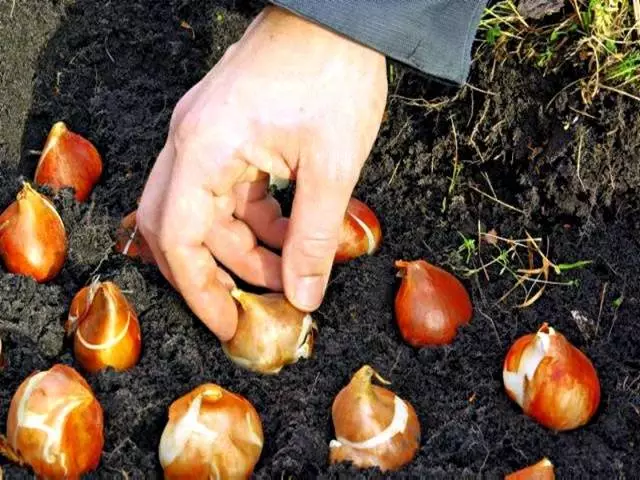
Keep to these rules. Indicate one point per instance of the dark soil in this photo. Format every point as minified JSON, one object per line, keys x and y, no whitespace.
{"x":113,"y":71}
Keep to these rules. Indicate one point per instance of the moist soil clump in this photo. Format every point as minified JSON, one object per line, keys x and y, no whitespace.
{"x":508,"y":154}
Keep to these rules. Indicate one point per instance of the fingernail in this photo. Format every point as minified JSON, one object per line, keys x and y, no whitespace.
{"x":309,"y":292}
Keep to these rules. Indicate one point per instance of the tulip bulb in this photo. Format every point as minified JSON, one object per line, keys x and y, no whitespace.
{"x":33,"y":240}
{"x":211,"y":433}
{"x":374,"y":427}
{"x":430,"y":305}
{"x":271,"y":333}
{"x":105,"y":328}
{"x":130,"y":242}
{"x":55,"y":424}
{"x":543,"y":470}
{"x":69,"y":160}
{"x":551,"y":380}
{"x":360,"y":233}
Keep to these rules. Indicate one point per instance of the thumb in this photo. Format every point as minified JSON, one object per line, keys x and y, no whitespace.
{"x":318,"y":210}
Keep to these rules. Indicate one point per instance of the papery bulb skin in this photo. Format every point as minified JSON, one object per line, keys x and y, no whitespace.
{"x":69,"y":160}
{"x":430,"y":305}
{"x":552,"y":381}
{"x":360,"y":234}
{"x":105,"y":328}
{"x":55,"y":424}
{"x":271,"y":333}
{"x":543,"y":470}
{"x":211,"y":433}
{"x":374,"y":427}
{"x":130,"y":242}
{"x":33,"y":240}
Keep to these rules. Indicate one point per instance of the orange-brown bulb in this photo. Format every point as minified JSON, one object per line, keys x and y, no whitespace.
{"x":105,"y":328}
{"x":374,"y":427}
{"x":33,"y":240}
{"x":211,"y":433}
{"x":543,"y":470}
{"x":360,"y":233}
{"x":55,"y":424}
{"x":69,"y":160}
{"x":430,"y":305}
{"x":271,"y":333}
{"x":130,"y":242}
{"x":551,"y":380}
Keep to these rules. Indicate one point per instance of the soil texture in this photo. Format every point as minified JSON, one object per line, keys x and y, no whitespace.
{"x":510,"y":152}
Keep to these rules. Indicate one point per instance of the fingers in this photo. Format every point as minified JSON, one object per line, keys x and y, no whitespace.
{"x":321,"y":198}
{"x":188,"y":216}
{"x":234,"y":245}
{"x":150,"y":208}
{"x":261,"y":212}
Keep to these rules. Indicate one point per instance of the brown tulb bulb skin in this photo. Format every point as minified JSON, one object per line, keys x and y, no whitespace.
{"x":271,"y":333}
{"x":69,"y":160}
{"x":130,"y":242}
{"x":430,"y":305}
{"x":33,"y":241}
{"x":374,"y":427}
{"x":105,"y":328}
{"x":211,"y":433}
{"x":543,"y":470}
{"x":360,"y":234}
{"x":552,"y":381}
{"x":55,"y":424}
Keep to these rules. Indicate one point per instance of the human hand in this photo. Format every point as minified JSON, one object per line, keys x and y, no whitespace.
{"x":291,"y":99}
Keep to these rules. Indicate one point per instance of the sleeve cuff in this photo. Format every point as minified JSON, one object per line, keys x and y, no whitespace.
{"x":433,"y":36}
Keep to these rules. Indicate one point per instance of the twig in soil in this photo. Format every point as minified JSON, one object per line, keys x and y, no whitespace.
{"x":602,"y":295}
{"x":391,"y":144}
{"x":313,"y":387}
{"x":120,"y":446}
{"x":13,"y":7}
{"x":457,"y":167}
{"x":495,"y":330}
{"x":579,"y":158}
{"x":497,"y":200}
{"x":616,"y":305}
{"x":477,"y":125}
{"x":395,"y":363}
{"x":106,"y":49}
{"x":620,"y":92}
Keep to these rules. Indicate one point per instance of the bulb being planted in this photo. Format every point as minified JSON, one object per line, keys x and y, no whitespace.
{"x":430,"y":305}
{"x":360,"y":234}
{"x":33,"y":240}
{"x":374,"y":427}
{"x":271,"y":333}
{"x":69,"y":160}
{"x":551,"y":380}
{"x":55,"y":424}
{"x":211,"y":433}
{"x":130,"y":242}
{"x":105,"y":328}
{"x":543,"y":470}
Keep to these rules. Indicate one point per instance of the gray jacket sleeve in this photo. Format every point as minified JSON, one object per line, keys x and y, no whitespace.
{"x":433,"y":36}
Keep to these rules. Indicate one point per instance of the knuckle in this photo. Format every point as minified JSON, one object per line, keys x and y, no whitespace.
{"x":318,"y":249}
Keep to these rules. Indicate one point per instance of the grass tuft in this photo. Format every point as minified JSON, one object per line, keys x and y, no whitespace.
{"x":600,"y":36}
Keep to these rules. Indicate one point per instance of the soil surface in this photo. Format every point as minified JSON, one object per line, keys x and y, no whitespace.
{"x":545,"y":165}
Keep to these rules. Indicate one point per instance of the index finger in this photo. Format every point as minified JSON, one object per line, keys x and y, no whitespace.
{"x":188,"y":216}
